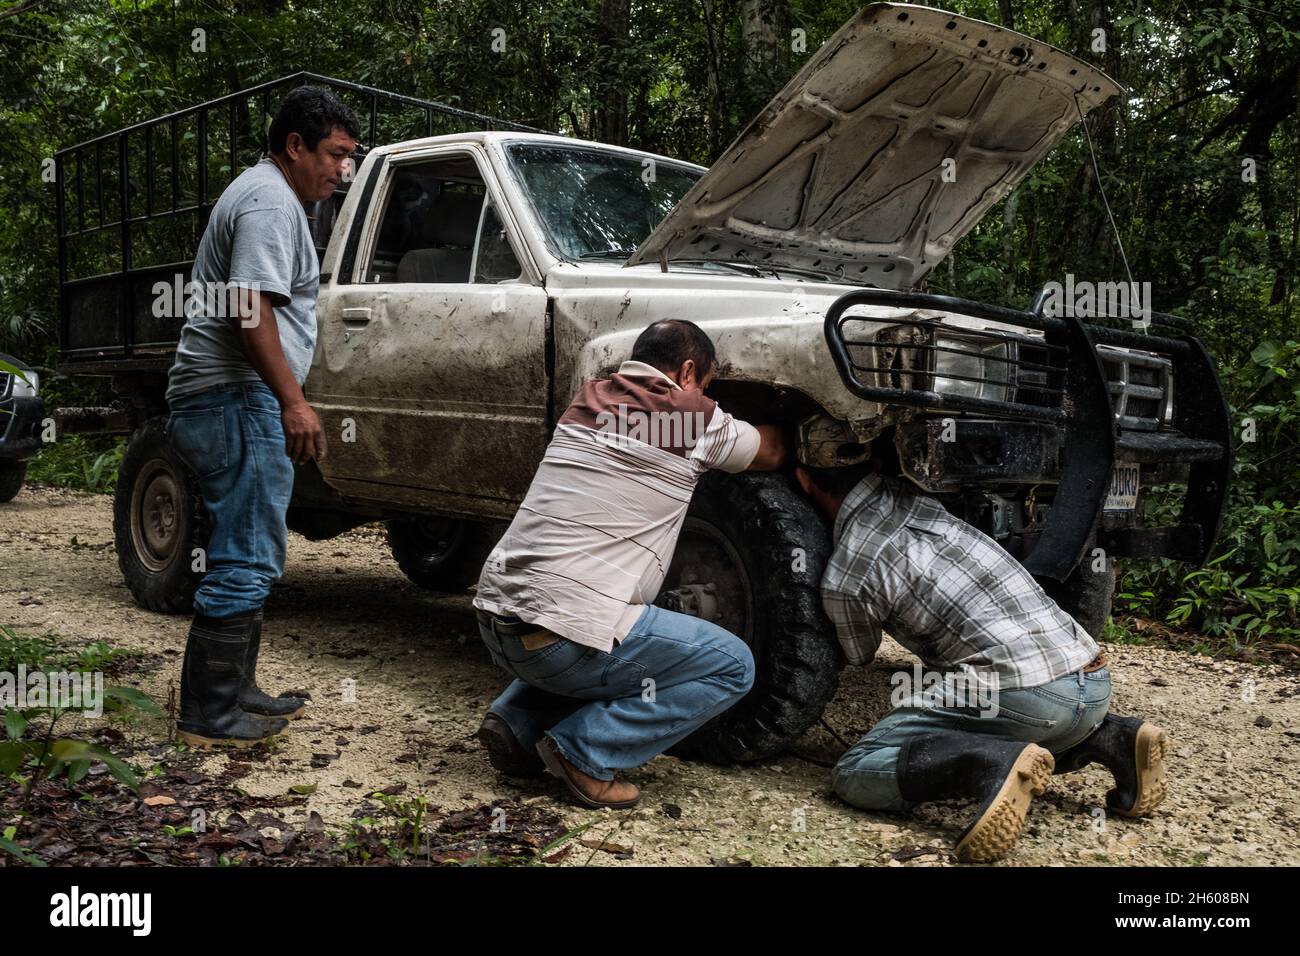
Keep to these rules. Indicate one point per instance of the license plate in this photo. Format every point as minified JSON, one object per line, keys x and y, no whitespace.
{"x":1123,"y":493}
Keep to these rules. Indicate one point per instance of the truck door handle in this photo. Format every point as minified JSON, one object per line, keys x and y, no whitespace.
{"x":357,"y":317}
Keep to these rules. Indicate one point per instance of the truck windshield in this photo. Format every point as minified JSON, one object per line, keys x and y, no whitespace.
{"x":597,"y":204}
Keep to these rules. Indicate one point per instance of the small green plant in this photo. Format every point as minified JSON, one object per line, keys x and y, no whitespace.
{"x":97,"y":656}
{"x":406,"y":816}
{"x":31,"y":652}
{"x":27,"y":754}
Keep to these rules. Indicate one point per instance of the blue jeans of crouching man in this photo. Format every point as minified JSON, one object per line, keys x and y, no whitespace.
{"x":1056,"y":716}
{"x":617,"y":710}
{"x":232,"y":438}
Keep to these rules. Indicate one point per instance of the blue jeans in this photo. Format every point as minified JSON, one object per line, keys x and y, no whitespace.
{"x":612,"y":711}
{"x":1056,"y":716}
{"x":232,"y":439}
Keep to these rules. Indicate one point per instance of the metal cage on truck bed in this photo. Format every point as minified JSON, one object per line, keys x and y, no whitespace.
{"x":156,"y":181}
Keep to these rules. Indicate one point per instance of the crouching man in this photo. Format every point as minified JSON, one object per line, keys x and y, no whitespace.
{"x":604,"y":680}
{"x":972,"y":613}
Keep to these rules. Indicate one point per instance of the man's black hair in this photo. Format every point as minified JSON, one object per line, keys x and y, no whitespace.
{"x":669,"y":342}
{"x":312,"y":112}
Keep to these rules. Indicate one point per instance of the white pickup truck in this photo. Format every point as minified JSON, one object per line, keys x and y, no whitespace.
{"x":471,"y":281}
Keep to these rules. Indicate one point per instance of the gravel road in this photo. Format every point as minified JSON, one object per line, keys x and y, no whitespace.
{"x":343,"y":612}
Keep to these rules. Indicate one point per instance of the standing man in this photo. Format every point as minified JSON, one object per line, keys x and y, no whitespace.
{"x":1019,"y":679}
{"x":605,"y":680}
{"x":239,"y":419}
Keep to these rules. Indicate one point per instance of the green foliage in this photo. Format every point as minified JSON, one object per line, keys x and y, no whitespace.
{"x":89,"y":462}
{"x":1250,"y":590}
{"x":32,"y":652}
{"x":27,"y":749}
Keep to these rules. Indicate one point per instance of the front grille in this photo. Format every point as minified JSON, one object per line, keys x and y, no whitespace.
{"x":1138,"y":383}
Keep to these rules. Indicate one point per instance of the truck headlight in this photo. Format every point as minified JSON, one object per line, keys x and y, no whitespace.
{"x":971,"y":368}
{"x":28,"y":388}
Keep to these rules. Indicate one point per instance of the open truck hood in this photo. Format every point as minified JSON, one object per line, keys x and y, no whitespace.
{"x":844,"y":171}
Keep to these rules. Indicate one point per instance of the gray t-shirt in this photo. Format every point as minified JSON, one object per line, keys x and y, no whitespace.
{"x":258,"y":237}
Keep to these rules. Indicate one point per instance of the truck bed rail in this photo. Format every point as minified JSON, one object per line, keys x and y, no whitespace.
{"x":132,"y":205}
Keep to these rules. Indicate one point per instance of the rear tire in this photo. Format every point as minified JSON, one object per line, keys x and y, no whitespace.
{"x":442,"y":554}
{"x":1086,"y":596}
{"x":763,"y":548}
{"x":158,"y":521}
{"x":12,"y":475}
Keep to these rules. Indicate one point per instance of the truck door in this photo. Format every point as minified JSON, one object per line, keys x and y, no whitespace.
{"x":429,"y":374}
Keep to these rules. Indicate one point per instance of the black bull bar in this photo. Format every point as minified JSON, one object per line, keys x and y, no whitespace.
{"x":1058,"y":380}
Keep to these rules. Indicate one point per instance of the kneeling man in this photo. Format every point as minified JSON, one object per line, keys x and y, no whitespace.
{"x":974,"y":615}
{"x":604,"y":680}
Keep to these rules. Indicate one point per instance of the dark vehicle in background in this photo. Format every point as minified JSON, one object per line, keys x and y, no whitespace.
{"x":21,"y":414}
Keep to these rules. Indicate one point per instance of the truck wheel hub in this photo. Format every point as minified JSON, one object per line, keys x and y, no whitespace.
{"x":154,"y":530}
{"x":708,"y":580}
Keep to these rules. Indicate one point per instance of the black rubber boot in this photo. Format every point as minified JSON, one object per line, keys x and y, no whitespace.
{"x":210,"y":677}
{"x":504,"y":750}
{"x":251,"y":697}
{"x":1133,"y":750}
{"x":1004,"y":775}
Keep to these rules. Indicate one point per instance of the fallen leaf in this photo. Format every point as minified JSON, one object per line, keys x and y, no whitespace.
{"x":607,"y":846}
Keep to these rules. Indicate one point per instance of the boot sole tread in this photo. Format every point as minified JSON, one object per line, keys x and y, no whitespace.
{"x":991,"y":836}
{"x":201,"y":742}
{"x":1149,"y":751}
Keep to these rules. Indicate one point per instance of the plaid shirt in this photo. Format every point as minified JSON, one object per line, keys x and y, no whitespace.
{"x":943,"y":590}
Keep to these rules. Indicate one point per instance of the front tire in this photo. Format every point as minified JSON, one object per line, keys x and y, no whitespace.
{"x":158,"y":521}
{"x":12,"y":475}
{"x":750,"y":558}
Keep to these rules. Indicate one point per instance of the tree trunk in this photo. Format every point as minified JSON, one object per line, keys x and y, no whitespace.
{"x":609,"y":109}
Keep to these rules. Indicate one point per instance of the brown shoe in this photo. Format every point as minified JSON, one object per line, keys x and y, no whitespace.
{"x":615,"y":794}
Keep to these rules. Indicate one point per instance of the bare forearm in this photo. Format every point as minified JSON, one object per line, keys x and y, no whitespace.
{"x":773,"y":449}
{"x":303,"y":436}
{"x":261,"y":342}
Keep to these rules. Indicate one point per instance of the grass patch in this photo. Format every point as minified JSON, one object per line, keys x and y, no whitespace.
{"x":87,"y":462}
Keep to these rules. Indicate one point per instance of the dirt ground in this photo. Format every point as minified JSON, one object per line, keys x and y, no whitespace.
{"x":344,"y":612}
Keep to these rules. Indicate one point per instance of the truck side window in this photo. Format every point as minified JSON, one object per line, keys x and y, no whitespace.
{"x":496,"y":260}
{"x":429,"y":223}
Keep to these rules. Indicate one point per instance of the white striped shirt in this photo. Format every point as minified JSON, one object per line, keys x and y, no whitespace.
{"x":592,"y":540}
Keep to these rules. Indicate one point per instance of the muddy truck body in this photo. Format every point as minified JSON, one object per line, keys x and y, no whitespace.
{"x":471,"y":281}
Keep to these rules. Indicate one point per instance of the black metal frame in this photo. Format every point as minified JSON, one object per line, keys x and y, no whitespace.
{"x":127,"y":278}
{"x":1200,"y":436}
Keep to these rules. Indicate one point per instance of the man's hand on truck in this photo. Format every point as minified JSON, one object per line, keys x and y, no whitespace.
{"x":304,"y":438}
